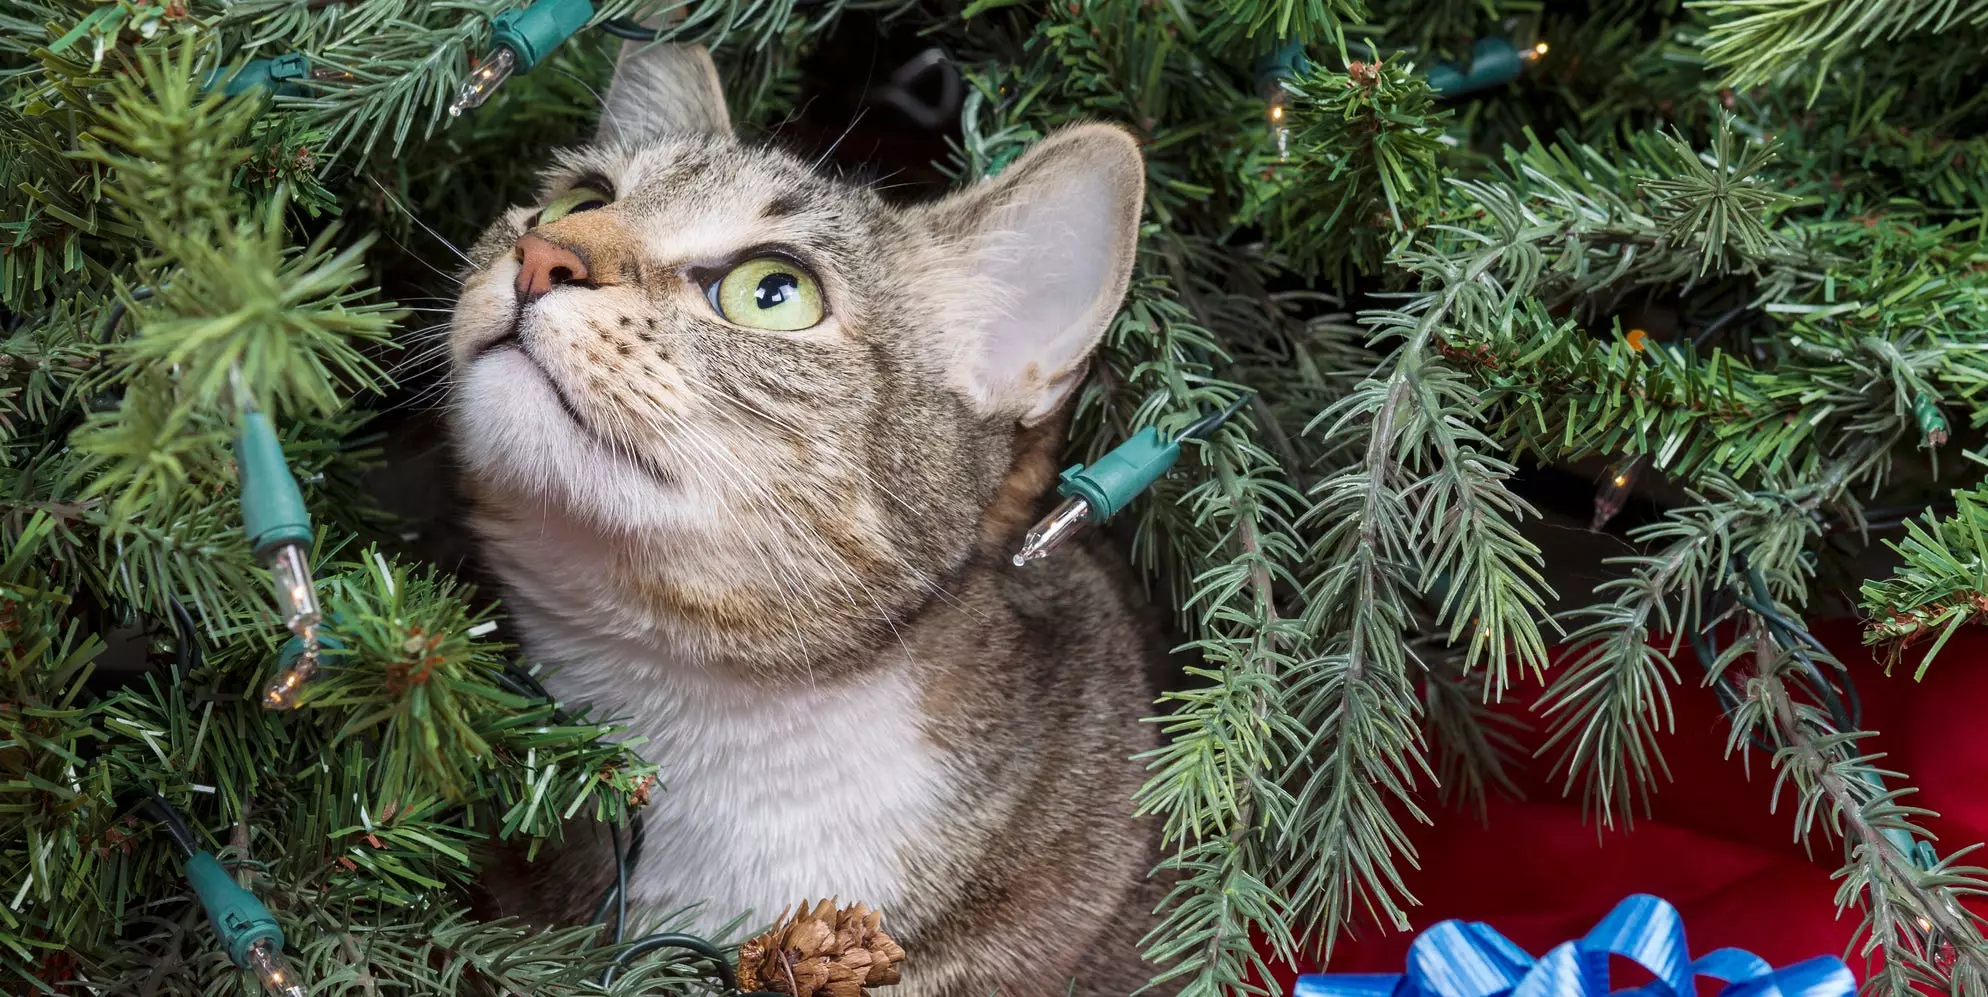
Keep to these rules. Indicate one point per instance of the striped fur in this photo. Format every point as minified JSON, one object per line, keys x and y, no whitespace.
{"x":783,"y":555}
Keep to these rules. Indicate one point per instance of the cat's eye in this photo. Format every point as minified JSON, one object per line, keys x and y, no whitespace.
{"x":572,"y":202}
{"x":770,"y":293}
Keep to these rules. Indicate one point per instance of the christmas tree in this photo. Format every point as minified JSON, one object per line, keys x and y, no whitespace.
{"x":1732,"y":252}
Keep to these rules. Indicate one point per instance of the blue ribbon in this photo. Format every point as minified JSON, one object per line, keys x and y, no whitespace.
{"x":1458,"y":959}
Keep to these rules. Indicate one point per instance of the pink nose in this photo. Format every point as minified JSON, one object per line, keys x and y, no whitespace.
{"x":543,"y":265}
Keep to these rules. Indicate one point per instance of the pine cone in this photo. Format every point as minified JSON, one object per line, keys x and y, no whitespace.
{"x":821,"y":952}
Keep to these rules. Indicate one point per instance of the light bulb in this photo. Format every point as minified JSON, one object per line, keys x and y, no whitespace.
{"x":1615,"y":491}
{"x":1276,"y":98}
{"x":484,"y":79}
{"x":1534,"y":54}
{"x":1060,"y":525}
{"x":278,"y":979}
{"x":282,"y":694}
{"x":297,"y":601}
{"x":296,"y":595}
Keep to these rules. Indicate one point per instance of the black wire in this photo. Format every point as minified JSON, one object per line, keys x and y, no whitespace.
{"x":624,"y":862}
{"x":676,"y":940}
{"x":621,"y":864}
{"x":1798,"y":642}
{"x":524,"y":683}
{"x":623,"y":28}
{"x":1718,"y":323}
{"x":1703,"y":642}
{"x":117,"y":309}
{"x":188,"y":650}
{"x":1201,"y":427}
{"x":634,"y":840}
{"x":1903,"y":512}
{"x":617,"y":894}
{"x":1856,"y":704}
{"x":174,"y":824}
{"x":1895,"y":516}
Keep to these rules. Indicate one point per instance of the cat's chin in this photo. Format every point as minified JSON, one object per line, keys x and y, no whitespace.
{"x":516,"y":431}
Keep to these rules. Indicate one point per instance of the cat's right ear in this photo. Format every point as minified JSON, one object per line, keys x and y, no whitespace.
{"x":1044,"y":254}
{"x":663,"y":90}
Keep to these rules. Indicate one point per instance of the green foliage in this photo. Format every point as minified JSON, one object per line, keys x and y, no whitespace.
{"x":1758,"y":40}
{"x":1421,"y":296}
{"x":159,"y":278}
{"x":1942,"y":584}
{"x":1367,"y":142}
{"x":1914,"y":931}
{"x":1266,"y":24}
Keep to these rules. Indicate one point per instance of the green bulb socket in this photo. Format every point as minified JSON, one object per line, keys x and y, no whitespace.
{"x":1931,"y":422}
{"x":533,"y":32}
{"x":1119,"y":476}
{"x":1492,"y":61}
{"x":273,"y":511}
{"x":292,"y":650}
{"x":1282,"y":63}
{"x":239,"y":918}
{"x":276,"y":76}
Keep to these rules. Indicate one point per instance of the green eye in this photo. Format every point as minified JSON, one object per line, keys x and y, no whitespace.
{"x":768,"y":293}
{"x":575,"y":200}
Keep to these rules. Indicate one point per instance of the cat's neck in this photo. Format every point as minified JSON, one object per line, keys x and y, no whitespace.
{"x":717,"y":604}
{"x":770,"y":793}
{"x":693,"y":598}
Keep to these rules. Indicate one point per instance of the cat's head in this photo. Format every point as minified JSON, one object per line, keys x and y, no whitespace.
{"x":707,"y":394}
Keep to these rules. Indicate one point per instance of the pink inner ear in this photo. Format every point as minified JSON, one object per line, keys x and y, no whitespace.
{"x":1053,"y":251}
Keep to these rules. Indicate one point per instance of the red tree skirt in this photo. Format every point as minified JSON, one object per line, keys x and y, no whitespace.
{"x":1540,"y":874}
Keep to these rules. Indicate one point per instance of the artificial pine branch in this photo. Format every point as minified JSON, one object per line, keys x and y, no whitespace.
{"x":1914,"y":933}
{"x":1364,"y":175}
{"x":1476,"y":747}
{"x":1941,"y":586}
{"x":1263,"y":25}
{"x":1610,"y":698}
{"x":1759,"y":40}
{"x":1351,"y":586}
{"x":1214,"y":780}
{"x":1214,"y":785}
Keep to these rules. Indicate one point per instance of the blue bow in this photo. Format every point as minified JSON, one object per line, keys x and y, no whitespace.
{"x":1455,"y":959}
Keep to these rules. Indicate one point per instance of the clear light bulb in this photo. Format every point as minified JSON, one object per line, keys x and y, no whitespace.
{"x":1275,"y":98}
{"x":1060,"y":525}
{"x":282,"y":693}
{"x":296,"y":595}
{"x":1613,"y":492}
{"x":484,"y":79}
{"x":278,"y":979}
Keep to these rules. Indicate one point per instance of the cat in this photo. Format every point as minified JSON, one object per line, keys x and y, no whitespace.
{"x":749,"y":449}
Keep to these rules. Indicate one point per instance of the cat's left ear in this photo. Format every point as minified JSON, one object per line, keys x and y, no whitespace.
{"x":661,"y":90}
{"x":1048,"y":249}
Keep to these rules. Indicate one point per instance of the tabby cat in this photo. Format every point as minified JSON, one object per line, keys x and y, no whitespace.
{"x":749,"y":449}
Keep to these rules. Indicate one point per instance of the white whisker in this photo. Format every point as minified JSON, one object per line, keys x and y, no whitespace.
{"x":416,"y":219}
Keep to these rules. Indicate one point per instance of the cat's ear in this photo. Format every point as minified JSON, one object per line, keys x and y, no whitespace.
{"x":661,"y":90}
{"x":1048,"y":249}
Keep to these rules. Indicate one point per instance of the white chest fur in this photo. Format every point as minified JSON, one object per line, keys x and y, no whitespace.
{"x":770,"y":796}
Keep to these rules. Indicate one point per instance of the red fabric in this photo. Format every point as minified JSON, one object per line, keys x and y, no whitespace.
{"x":1541,"y":875}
